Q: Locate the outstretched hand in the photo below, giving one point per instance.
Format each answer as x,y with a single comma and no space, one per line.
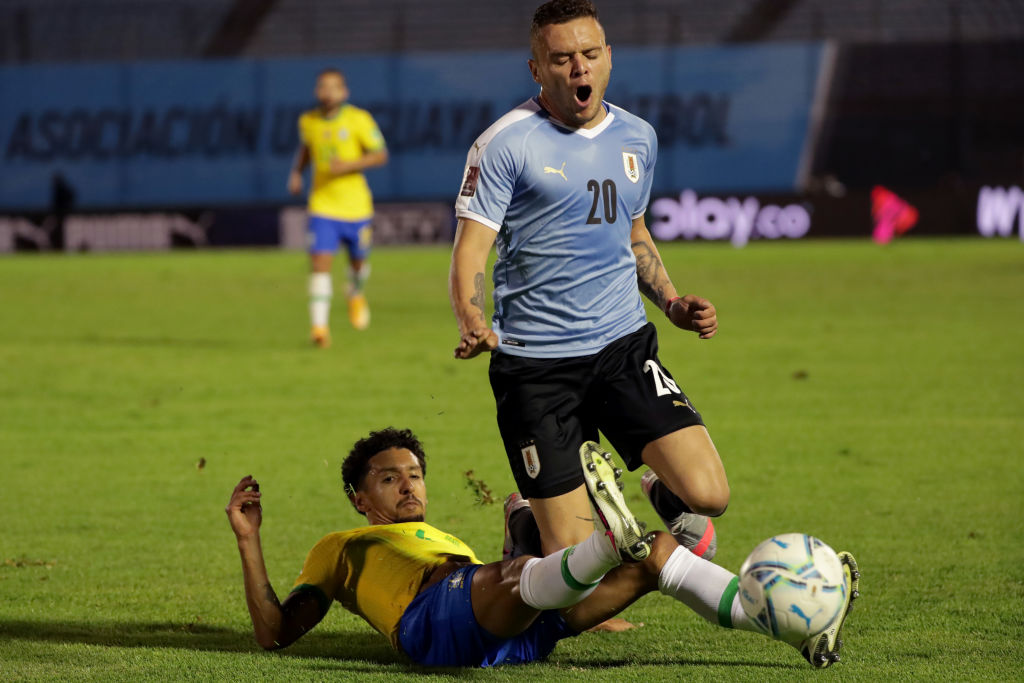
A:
694,313
614,625
244,511
475,342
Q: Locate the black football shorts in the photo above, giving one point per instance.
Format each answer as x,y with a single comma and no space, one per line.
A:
547,407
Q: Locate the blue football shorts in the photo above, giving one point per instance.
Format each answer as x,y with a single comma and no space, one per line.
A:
438,629
327,234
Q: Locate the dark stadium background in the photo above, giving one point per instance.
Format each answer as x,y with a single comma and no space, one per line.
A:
922,97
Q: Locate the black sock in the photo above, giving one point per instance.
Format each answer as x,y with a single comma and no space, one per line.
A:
525,533
667,504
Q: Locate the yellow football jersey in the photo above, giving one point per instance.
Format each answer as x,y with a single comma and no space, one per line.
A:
376,571
346,136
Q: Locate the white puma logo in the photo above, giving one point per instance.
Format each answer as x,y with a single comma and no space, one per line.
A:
559,171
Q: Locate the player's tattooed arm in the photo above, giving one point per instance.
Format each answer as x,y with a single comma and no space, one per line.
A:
477,299
466,288
270,596
689,312
650,274
279,625
274,625
301,611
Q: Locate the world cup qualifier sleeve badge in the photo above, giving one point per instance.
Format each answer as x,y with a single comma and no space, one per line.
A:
632,168
531,461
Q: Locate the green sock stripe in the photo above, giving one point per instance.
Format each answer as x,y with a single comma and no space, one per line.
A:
725,604
570,581
320,298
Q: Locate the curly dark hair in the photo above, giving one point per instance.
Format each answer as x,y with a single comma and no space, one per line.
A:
353,469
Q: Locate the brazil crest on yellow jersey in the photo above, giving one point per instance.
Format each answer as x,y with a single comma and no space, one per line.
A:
376,571
345,136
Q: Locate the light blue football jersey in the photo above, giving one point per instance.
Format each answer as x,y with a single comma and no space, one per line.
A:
563,202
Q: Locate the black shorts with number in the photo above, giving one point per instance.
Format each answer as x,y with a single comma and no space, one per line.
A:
547,407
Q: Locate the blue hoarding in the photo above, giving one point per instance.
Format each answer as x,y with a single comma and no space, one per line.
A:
222,133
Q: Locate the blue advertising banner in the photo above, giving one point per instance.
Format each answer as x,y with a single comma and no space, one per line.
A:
223,133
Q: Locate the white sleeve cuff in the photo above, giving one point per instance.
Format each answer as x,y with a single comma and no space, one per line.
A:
479,219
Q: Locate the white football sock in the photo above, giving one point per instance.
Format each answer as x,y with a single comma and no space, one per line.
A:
567,576
706,588
320,292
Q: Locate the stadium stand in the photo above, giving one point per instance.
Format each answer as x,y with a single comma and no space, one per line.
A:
105,30
886,21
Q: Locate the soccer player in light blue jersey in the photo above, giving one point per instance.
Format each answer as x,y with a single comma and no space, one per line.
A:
560,185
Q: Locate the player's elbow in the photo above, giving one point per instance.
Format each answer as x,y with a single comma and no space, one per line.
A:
272,641
268,643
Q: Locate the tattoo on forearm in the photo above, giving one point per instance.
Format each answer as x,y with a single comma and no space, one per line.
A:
650,273
477,299
270,596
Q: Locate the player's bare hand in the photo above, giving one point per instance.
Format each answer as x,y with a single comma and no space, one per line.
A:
295,183
475,342
694,313
244,511
614,625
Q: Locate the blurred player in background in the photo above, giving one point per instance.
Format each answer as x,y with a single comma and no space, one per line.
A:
339,141
561,184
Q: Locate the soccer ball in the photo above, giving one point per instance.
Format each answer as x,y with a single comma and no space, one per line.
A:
792,586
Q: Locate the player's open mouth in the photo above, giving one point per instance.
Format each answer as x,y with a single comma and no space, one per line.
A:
583,95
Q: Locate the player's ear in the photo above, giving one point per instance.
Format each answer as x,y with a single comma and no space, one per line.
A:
359,500
533,70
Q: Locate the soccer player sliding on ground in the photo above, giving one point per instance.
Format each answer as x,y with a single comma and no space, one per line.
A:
428,594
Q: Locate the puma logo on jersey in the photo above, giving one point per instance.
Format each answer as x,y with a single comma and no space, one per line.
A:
557,171
682,404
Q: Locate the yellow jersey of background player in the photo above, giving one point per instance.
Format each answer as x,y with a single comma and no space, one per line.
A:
339,141
346,136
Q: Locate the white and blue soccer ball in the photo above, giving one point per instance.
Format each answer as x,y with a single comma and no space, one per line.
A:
792,586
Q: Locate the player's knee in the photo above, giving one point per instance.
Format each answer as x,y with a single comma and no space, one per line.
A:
711,501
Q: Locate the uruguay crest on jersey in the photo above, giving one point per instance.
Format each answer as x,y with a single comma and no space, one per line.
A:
631,167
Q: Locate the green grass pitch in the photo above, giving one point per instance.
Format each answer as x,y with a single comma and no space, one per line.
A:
870,396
